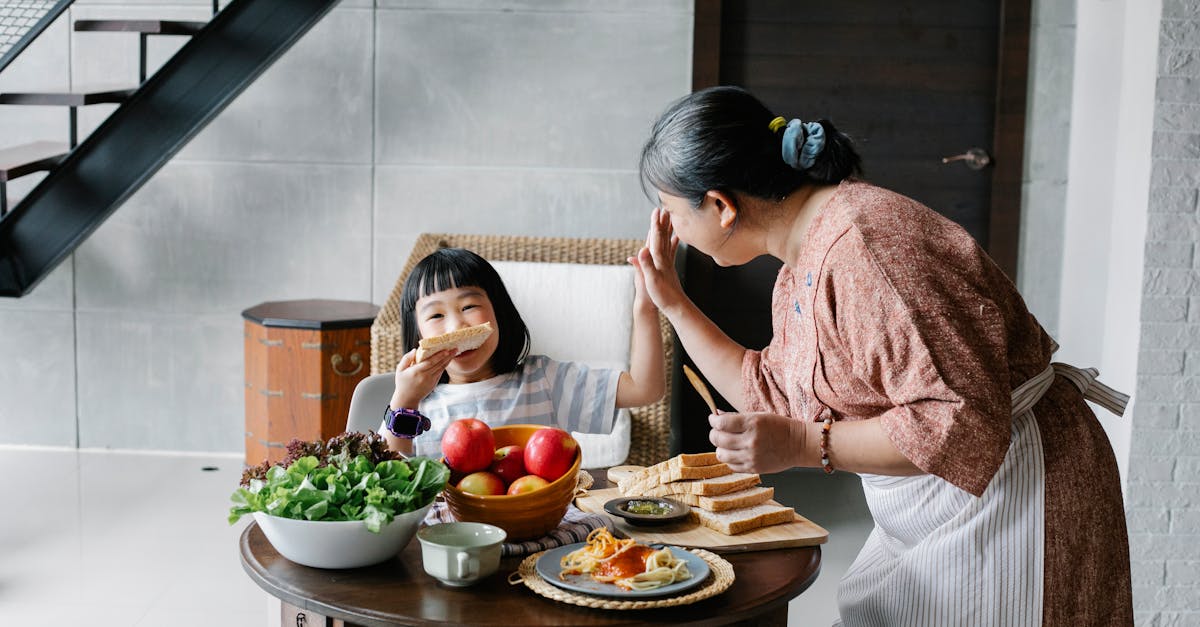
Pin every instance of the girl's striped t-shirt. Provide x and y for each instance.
(569, 395)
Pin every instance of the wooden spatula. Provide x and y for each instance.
(698, 383)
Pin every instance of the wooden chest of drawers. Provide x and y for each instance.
(303, 359)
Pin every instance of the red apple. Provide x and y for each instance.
(528, 483)
(468, 445)
(550, 452)
(509, 463)
(483, 483)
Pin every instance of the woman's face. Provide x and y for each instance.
(708, 228)
(453, 309)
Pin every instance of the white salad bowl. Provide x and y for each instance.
(339, 544)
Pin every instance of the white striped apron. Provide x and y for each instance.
(939, 556)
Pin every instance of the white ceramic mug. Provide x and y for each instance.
(460, 553)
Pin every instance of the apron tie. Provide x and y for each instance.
(1030, 392)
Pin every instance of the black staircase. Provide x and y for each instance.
(70, 99)
(26, 159)
(154, 121)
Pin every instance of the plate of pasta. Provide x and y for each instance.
(608, 566)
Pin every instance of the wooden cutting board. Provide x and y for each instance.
(802, 532)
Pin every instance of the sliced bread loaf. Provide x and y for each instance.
(663, 472)
(745, 519)
(725, 502)
(696, 459)
(640, 482)
(702, 487)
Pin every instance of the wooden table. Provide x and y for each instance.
(400, 592)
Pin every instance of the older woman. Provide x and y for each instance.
(902, 353)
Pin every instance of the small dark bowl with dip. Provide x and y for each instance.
(648, 510)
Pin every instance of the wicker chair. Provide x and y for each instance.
(651, 425)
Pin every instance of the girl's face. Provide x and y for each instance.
(456, 308)
(708, 228)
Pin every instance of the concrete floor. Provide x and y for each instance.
(836, 503)
(135, 539)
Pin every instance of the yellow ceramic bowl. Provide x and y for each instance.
(522, 516)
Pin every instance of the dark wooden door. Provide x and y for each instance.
(912, 81)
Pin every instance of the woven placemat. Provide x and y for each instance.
(720, 577)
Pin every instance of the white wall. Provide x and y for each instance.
(388, 119)
(1112, 117)
(1047, 137)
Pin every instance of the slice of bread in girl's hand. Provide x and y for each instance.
(735, 521)
(465, 339)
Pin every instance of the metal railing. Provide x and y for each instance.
(22, 21)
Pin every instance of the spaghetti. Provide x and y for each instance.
(624, 563)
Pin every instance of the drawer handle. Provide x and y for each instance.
(336, 360)
(267, 342)
(315, 396)
(271, 392)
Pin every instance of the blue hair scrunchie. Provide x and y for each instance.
(803, 157)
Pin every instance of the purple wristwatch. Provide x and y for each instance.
(405, 423)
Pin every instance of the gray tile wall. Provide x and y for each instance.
(388, 119)
(37, 340)
(1163, 504)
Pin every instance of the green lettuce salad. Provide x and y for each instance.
(351, 477)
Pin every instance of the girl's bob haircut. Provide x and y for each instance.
(448, 268)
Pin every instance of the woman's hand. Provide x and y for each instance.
(656, 263)
(414, 381)
(759, 442)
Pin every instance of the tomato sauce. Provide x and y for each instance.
(628, 563)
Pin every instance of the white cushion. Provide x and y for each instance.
(575, 312)
(583, 313)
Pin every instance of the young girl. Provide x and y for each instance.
(499, 382)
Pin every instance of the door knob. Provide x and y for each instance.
(975, 158)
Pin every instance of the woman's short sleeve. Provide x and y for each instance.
(765, 386)
(924, 338)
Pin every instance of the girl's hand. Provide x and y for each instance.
(414, 381)
(759, 442)
(655, 262)
(641, 300)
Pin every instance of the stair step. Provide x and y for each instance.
(147, 27)
(73, 98)
(28, 158)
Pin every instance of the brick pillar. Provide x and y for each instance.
(1163, 504)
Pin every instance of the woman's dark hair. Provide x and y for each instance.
(720, 139)
(447, 268)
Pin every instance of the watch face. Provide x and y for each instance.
(405, 424)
